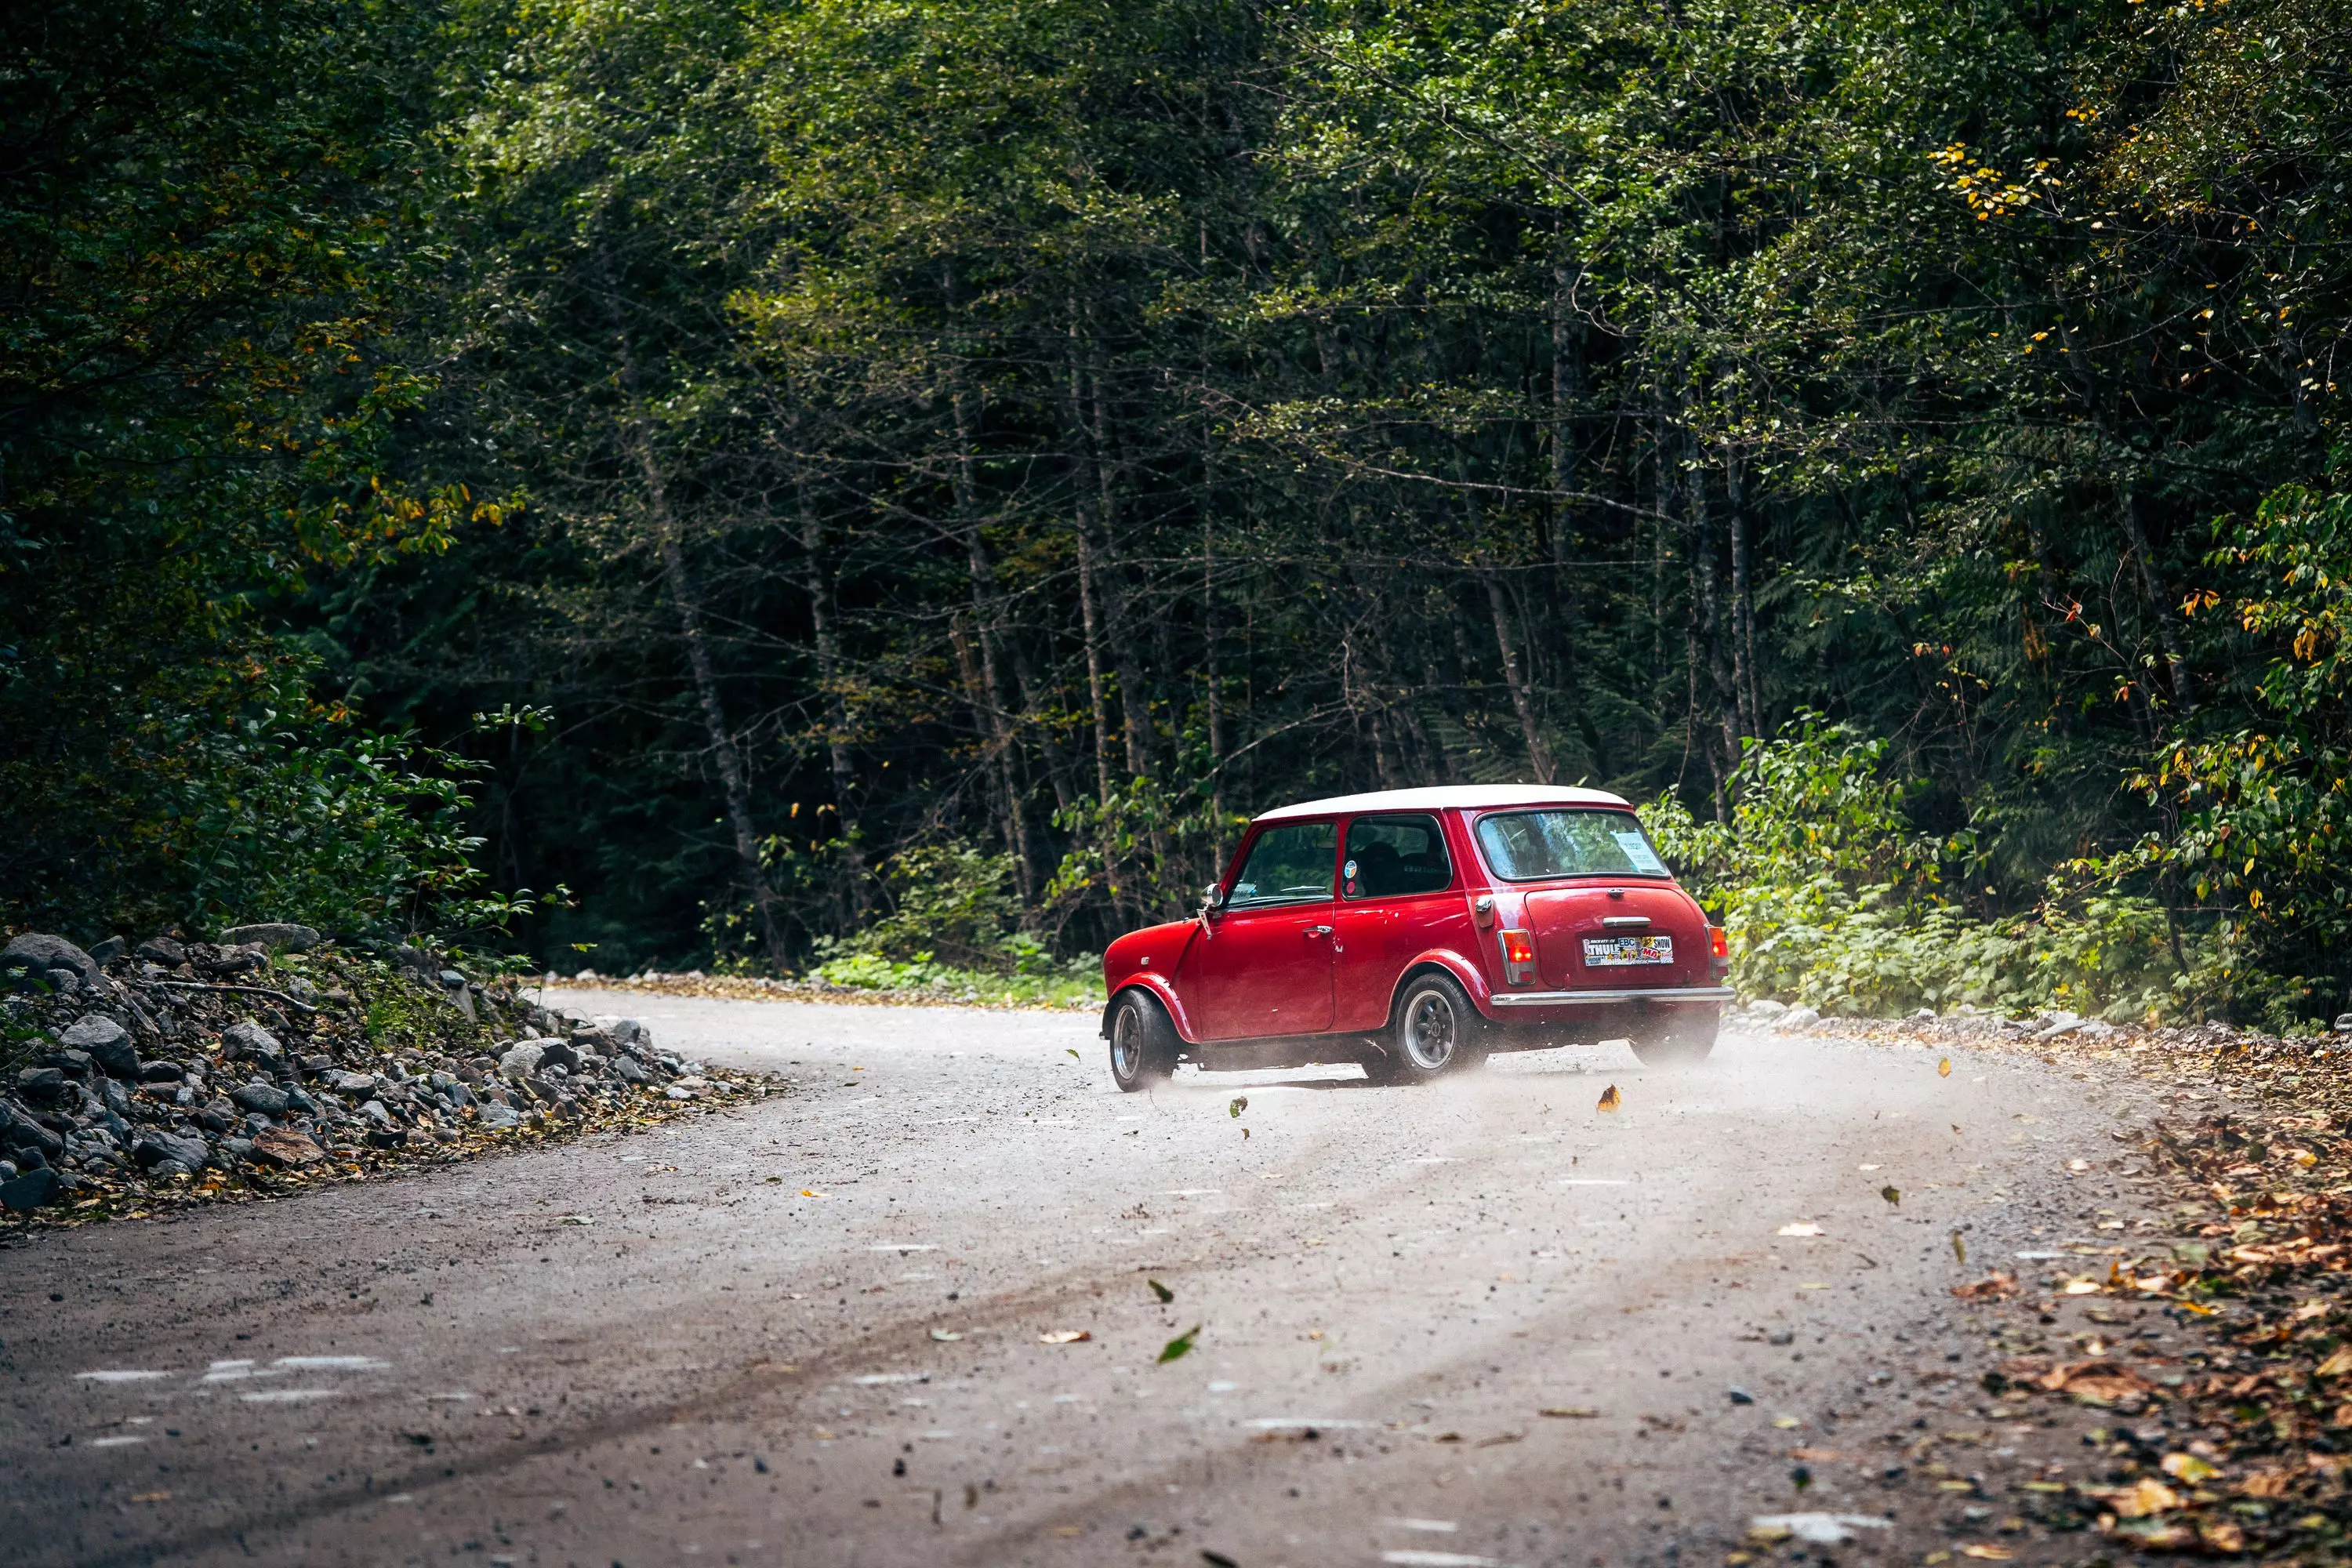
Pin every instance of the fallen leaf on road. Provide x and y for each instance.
(1799, 1228)
(946, 1336)
(2078, 1166)
(1239, 1104)
(2097, 1382)
(1960, 1250)
(1180, 1347)
(1064, 1337)
(1610, 1098)
(578, 1220)
(2149, 1497)
(1785, 1421)
(1892, 1195)
(1944, 1068)
(1989, 1553)
(1498, 1439)
(1165, 1294)
(2082, 1288)
(1569, 1411)
(1993, 1286)
(809, 1193)
(2335, 1365)
(2189, 1468)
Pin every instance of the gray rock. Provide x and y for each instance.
(160, 1072)
(156, 1149)
(1767, 1008)
(20, 1135)
(109, 950)
(1799, 1018)
(107, 1042)
(292, 938)
(170, 1168)
(557, 1054)
(375, 1111)
(351, 1082)
(163, 950)
(497, 1115)
(2343, 1025)
(41, 1085)
(267, 1099)
(33, 1190)
(629, 1031)
(299, 1100)
(521, 1059)
(250, 1039)
(38, 956)
(72, 1063)
(628, 1069)
(117, 1097)
(238, 1149)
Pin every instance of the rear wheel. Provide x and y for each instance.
(1681, 1038)
(1437, 1030)
(1142, 1042)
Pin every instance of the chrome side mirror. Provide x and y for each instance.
(1213, 897)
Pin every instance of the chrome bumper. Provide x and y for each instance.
(1601, 998)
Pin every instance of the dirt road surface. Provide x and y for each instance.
(1482, 1323)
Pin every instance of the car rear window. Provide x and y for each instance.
(1529, 846)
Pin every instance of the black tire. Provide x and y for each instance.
(1437, 1030)
(1681, 1038)
(1142, 1042)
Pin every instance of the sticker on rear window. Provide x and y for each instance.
(1637, 850)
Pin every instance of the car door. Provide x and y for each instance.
(1262, 964)
(1394, 904)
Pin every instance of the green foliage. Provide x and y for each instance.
(1829, 898)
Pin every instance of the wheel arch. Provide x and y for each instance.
(1156, 987)
(1446, 961)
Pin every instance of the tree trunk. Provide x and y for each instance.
(815, 582)
(636, 439)
(1743, 599)
(2158, 604)
(991, 696)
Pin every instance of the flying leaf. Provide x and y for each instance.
(1240, 1103)
(1165, 1294)
(1892, 1195)
(1064, 1337)
(1610, 1098)
(1944, 1068)
(1180, 1347)
(1569, 1412)
(946, 1336)
(1073, 1053)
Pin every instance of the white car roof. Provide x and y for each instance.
(1472, 797)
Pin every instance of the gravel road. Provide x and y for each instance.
(812, 1331)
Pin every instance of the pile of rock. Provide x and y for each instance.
(211, 1068)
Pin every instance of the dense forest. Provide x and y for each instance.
(772, 483)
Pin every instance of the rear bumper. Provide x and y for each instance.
(1666, 994)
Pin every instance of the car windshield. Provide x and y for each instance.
(1289, 864)
(1529, 846)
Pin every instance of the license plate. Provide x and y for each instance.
(1615, 952)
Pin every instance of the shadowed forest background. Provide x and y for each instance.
(891, 487)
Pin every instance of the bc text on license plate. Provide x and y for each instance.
(1606, 952)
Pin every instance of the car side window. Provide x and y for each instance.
(1389, 856)
(1290, 864)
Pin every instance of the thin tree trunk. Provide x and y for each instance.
(983, 605)
(636, 438)
(1743, 601)
(1522, 700)
(2159, 606)
(815, 582)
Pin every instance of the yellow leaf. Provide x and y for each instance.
(1944, 1068)
(2189, 1468)
(2337, 1364)
(1610, 1098)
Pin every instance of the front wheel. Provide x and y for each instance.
(1142, 1043)
(1680, 1038)
(1437, 1030)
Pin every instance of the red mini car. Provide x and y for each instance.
(1416, 931)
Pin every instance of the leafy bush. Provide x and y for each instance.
(1832, 898)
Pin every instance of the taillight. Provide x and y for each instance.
(1519, 956)
(1717, 943)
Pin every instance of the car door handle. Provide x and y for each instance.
(1316, 931)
